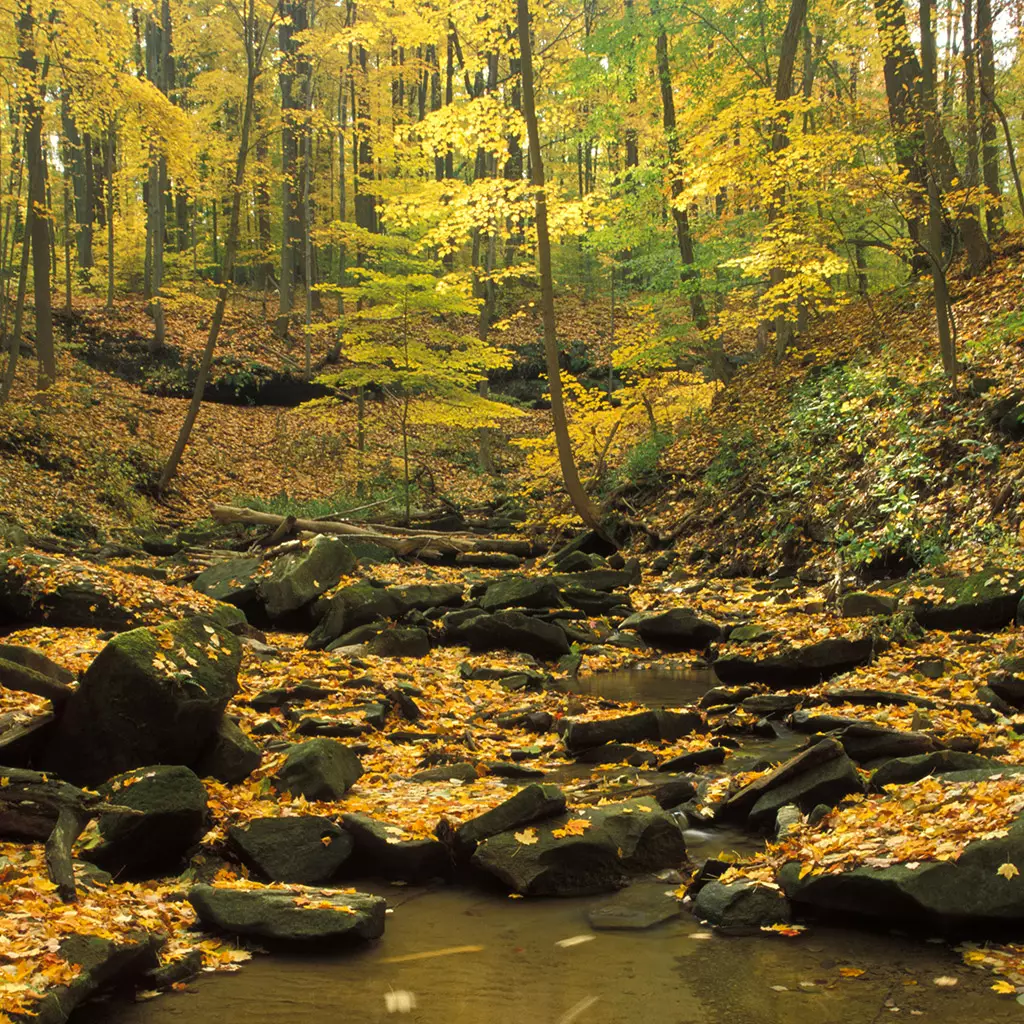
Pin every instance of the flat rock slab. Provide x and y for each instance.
(305, 848)
(796, 666)
(638, 907)
(290, 915)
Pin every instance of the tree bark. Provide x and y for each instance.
(570, 475)
(989, 150)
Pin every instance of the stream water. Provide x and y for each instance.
(452, 955)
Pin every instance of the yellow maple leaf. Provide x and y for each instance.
(527, 837)
(573, 827)
(1004, 988)
(1008, 870)
(851, 972)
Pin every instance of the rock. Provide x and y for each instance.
(463, 771)
(674, 792)
(358, 636)
(597, 579)
(696, 759)
(865, 741)
(103, 964)
(519, 592)
(788, 820)
(290, 916)
(631, 836)
(676, 628)
(531, 803)
(741, 906)
(874, 698)
(400, 642)
(30, 658)
(151, 696)
(797, 666)
(821, 774)
(425, 597)
(644, 725)
(510, 770)
(297, 580)
(985, 601)
(577, 561)
(232, 757)
(636, 908)
(235, 581)
(616, 753)
(766, 705)
(174, 820)
(861, 604)
(303, 693)
(900, 770)
(385, 851)
(507, 630)
(751, 634)
(725, 696)
(942, 896)
(593, 602)
(589, 542)
(488, 560)
(628, 640)
(319, 769)
(1007, 682)
(355, 605)
(306, 848)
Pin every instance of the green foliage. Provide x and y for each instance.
(736, 459)
(641, 463)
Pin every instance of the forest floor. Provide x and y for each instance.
(778, 534)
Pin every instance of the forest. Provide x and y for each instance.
(511, 511)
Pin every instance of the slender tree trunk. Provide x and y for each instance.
(570, 475)
(14, 339)
(989, 149)
(230, 248)
(108, 164)
(971, 164)
(40, 222)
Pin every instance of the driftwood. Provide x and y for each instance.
(73, 807)
(402, 541)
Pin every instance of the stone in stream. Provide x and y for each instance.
(231, 756)
(694, 759)
(387, 851)
(102, 964)
(586, 851)
(519, 592)
(725, 696)
(506, 630)
(634, 728)
(821, 774)
(297, 580)
(463, 771)
(636, 908)
(174, 819)
(674, 628)
(319, 769)
(235, 581)
(510, 770)
(153, 695)
(866, 741)
(426, 597)
(674, 792)
(900, 770)
(796, 666)
(305, 848)
(531, 803)
(295, 915)
(985, 601)
(767, 705)
(593, 602)
(742, 906)
(751, 634)
(944, 896)
(400, 642)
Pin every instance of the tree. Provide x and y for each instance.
(570, 475)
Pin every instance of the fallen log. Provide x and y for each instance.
(73, 808)
(402, 541)
(17, 677)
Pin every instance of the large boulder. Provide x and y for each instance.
(677, 628)
(386, 851)
(306, 848)
(151, 696)
(520, 592)
(862, 604)
(318, 769)
(585, 851)
(235, 581)
(868, 741)
(507, 630)
(948, 896)
(231, 756)
(823, 774)
(173, 805)
(632, 728)
(297, 580)
(290, 915)
(799, 665)
(741, 906)
(531, 803)
(900, 770)
(400, 642)
(356, 605)
(984, 601)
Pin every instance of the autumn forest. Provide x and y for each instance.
(511, 511)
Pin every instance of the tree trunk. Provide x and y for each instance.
(40, 226)
(108, 164)
(570, 475)
(989, 149)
